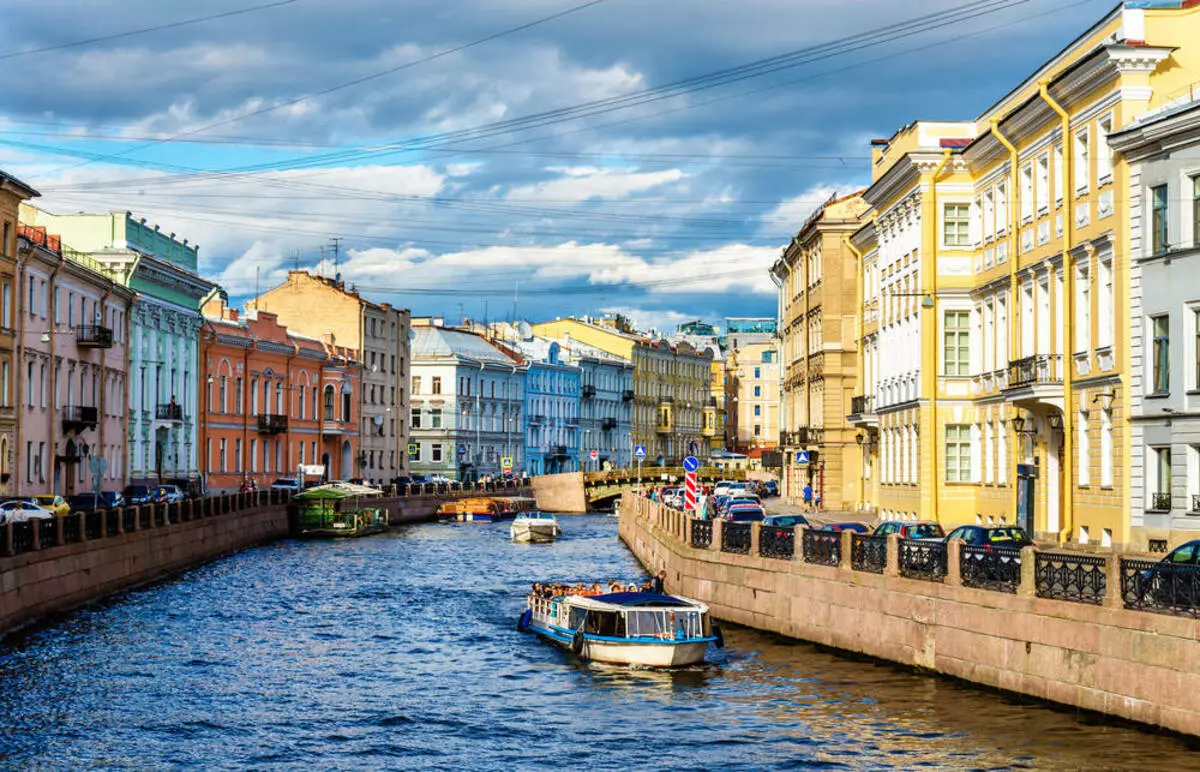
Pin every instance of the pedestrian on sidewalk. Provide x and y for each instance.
(808, 497)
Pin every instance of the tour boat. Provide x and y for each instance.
(625, 628)
(534, 528)
(336, 511)
(489, 509)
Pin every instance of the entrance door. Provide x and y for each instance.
(1026, 489)
(325, 461)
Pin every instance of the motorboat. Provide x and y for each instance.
(534, 528)
(625, 628)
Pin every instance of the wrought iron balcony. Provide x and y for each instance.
(537, 420)
(559, 450)
(77, 418)
(1160, 502)
(589, 391)
(627, 395)
(1033, 370)
(169, 412)
(271, 423)
(795, 437)
(862, 405)
(93, 336)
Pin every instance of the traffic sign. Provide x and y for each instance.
(506, 463)
(639, 452)
(595, 454)
(690, 464)
(802, 457)
(462, 450)
(412, 448)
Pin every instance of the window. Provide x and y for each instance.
(1083, 309)
(436, 450)
(1104, 325)
(435, 418)
(769, 356)
(221, 393)
(1083, 160)
(224, 445)
(6, 305)
(757, 430)
(416, 384)
(957, 225)
(346, 406)
(301, 400)
(1162, 467)
(329, 414)
(237, 455)
(758, 391)
(1158, 219)
(1001, 207)
(1161, 363)
(416, 418)
(957, 344)
(437, 385)
(254, 457)
(1027, 192)
(1106, 448)
(1085, 450)
(1196, 326)
(958, 454)
(4, 384)
(58, 305)
(237, 396)
(757, 373)
(758, 410)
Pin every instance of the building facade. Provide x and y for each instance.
(817, 276)
(379, 336)
(1000, 251)
(163, 417)
(1162, 151)
(13, 193)
(554, 436)
(73, 327)
(468, 396)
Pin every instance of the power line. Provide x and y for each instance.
(145, 30)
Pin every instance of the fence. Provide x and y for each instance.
(1144, 585)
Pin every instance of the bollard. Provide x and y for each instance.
(893, 555)
(954, 563)
(1028, 588)
(715, 544)
(1112, 586)
(755, 539)
(846, 551)
(798, 543)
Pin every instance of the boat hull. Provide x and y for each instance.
(656, 654)
(533, 533)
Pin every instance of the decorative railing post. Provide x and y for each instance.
(893, 555)
(798, 541)
(954, 563)
(1112, 568)
(1028, 588)
(847, 548)
(755, 539)
(714, 545)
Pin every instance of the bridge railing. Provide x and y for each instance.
(653, 474)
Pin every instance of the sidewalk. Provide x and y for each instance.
(780, 507)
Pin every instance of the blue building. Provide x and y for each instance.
(552, 394)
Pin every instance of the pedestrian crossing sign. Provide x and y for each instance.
(802, 457)
(639, 452)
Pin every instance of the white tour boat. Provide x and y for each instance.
(534, 528)
(625, 628)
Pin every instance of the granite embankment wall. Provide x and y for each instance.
(562, 493)
(1134, 665)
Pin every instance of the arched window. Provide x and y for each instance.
(301, 390)
(329, 414)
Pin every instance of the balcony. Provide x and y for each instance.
(1160, 502)
(332, 428)
(862, 411)
(795, 438)
(270, 423)
(171, 411)
(558, 451)
(663, 428)
(664, 401)
(627, 395)
(589, 391)
(77, 419)
(537, 420)
(708, 431)
(572, 423)
(608, 424)
(1037, 369)
(93, 336)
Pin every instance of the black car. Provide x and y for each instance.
(849, 526)
(991, 536)
(86, 502)
(138, 494)
(1174, 580)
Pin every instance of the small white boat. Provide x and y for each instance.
(534, 528)
(625, 628)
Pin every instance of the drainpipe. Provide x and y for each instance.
(933, 292)
(858, 334)
(1068, 301)
(1014, 245)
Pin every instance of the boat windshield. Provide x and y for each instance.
(664, 624)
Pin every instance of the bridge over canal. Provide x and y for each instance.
(578, 492)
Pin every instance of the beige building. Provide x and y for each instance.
(752, 376)
(379, 335)
(818, 311)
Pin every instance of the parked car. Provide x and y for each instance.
(86, 502)
(747, 515)
(1175, 580)
(785, 521)
(440, 479)
(286, 484)
(991, 536)
(848, 526)
(722, 487)
(137, 495)
(911, 530)
(56, 504)
(17, 510)
(169, 494)
(769, 488)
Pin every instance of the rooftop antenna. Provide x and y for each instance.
(296, 259)
(337, 243)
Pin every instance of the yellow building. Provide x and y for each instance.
(817, 280)
(671, 386)
(996, 293)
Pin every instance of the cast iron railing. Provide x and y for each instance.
(93, 524)
(46, 532)
(776, 542)
(862, 405)
(1072, 577)
(22, 536)
(990, 568)
(1160, 502)
(589, 391)
(702, 534)
(144, 517)
(272, 423)
(169, 412)
(735, 537)
(822, 547)
(94, 335)
(1163, 588)
(71, 528)
(922, 559)
(130, 516)
(1039, 368)
(112, 522)
(868, 553)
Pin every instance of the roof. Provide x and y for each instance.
(339, 490)
(636, 599)
(445, 342)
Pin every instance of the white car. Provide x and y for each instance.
(722, 488)
(19, 510)
(286, 484)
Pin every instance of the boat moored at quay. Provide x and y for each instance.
(490, 509)
(339, 511)
(625, 628)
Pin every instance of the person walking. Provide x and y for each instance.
(808, 496)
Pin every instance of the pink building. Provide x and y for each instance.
(71, 386)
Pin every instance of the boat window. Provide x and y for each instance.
(576, 618)
(602, 623)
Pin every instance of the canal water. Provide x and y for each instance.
(400, 652)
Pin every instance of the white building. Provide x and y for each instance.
(1163, 152)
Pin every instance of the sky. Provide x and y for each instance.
(485, 158)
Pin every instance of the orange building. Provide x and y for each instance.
(273, 401)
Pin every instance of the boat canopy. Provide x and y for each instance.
(338, 490)
(633, 600)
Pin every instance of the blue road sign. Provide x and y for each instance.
(462, 450)
(690, 464)
(639, 452)
(802, 457)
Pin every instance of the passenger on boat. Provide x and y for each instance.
(660, 580)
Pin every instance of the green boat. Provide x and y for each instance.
(339, 511)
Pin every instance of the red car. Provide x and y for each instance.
(911, 530)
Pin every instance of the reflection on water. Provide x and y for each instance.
(400, 652)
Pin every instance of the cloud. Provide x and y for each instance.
(586, 183)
